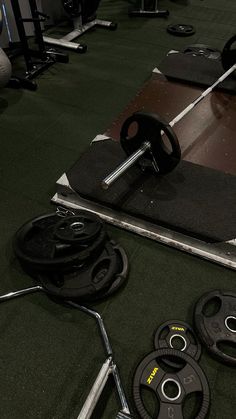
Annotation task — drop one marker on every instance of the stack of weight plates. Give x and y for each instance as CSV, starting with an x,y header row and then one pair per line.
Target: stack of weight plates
x,y
71,256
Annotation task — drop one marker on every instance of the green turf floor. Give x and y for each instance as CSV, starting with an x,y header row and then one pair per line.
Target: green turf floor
x,y
49,354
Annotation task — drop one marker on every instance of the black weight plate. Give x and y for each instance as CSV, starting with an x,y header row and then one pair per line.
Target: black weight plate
x,y
81,228
119,279
203,51
228,56
39,250
215,330
181,29
151,375
174,329
86,281
161,158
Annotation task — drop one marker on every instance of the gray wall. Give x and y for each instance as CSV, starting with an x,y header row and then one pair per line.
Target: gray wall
x,y
10,25
53,8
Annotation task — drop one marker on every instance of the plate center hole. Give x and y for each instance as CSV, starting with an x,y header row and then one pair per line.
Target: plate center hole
x,y
77,226
230,323
171,389
178,342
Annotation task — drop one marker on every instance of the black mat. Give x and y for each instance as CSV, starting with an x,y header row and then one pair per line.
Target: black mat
x,y
192,199
196,70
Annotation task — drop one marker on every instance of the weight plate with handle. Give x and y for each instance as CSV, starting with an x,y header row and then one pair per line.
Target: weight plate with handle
x,y
151,375
215,321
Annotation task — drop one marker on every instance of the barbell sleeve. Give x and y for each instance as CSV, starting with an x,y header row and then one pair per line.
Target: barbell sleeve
x,y
112,177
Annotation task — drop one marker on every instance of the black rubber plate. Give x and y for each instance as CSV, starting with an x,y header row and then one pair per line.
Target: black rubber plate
x,y
151,375
101,278
181,29
39,248
203,51
215,320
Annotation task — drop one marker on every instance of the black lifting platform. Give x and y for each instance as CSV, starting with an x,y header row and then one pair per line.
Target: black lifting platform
x,y
192,208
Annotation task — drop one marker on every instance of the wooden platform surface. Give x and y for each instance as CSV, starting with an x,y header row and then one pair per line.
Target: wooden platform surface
x,y
206,135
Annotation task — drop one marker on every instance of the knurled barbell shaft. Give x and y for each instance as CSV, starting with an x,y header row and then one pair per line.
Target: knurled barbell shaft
x,y
112,177
125,165
202,96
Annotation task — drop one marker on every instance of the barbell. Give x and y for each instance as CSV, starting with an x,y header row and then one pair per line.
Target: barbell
x,y
147,146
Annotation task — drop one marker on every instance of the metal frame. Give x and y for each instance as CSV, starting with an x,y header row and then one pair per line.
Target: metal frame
x,y
142,12
223,253
108,368
79,29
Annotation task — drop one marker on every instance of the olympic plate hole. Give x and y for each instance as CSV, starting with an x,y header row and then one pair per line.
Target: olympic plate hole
x,y
77,226
228,348
171,389
231,323
178,343
212,307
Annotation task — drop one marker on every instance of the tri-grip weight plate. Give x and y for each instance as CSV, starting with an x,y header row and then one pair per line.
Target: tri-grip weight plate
x,y
151,375
162,157
181,29
78,229
228,56
173,333
218,331
98,280
52,243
